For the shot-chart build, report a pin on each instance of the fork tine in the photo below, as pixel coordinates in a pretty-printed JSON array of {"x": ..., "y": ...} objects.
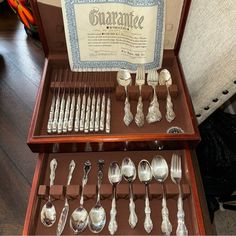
[{"x": 179, "y": 166}]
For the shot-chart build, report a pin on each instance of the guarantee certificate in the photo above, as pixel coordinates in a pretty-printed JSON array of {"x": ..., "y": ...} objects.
[{"x": 113, "y": 34}]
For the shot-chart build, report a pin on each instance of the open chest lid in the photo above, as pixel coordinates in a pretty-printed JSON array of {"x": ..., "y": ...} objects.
[{"x": 52, "y": 34}]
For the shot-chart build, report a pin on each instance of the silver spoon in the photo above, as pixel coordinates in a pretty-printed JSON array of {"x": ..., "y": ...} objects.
[
  {"x": 129, "y": 173},
  {"x": 97, "y": 215},
  {"x": 48, "y": 212},
  {"x": 165, "y": 79},
  {"x": 145, "y": 176},
  {"x": 160, "y": 173},
  {"x": 124, "y": 79},
  {"x": 79, "y": 217},
  {"x": 114, "y": 176}
]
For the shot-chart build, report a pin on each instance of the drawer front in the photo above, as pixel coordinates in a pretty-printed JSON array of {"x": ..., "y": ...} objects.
[{"x": 40, "y": 189}]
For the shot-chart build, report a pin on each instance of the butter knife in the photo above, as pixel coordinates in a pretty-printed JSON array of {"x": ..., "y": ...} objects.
[{"x": 65, "y": 210}]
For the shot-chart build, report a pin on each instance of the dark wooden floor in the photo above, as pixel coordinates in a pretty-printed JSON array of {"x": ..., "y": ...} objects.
[{"x": 21, "y": 62}]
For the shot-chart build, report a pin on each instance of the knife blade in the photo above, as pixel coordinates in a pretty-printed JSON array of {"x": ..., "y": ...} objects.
[{"x": 63, "y": 218}]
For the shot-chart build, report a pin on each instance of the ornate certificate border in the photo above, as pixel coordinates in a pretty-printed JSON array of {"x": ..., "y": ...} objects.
[{"x": 73, "y": 43}]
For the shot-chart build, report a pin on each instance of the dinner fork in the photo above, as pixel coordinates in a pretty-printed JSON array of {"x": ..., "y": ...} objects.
[{"x": 176, "y": 176}]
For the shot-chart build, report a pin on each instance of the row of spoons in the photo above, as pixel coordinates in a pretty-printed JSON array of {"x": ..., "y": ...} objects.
[
  {"x": 153, "y": 79},
  {"x": 96, "y": 218},
  {"x": 80, "y": 111}
]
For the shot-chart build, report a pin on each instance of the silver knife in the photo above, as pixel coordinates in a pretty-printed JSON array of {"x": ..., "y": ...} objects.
[{"x": 65, "y": 210}]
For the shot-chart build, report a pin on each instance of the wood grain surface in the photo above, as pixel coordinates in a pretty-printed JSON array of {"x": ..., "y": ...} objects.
[{"x": 21, "y": 62}]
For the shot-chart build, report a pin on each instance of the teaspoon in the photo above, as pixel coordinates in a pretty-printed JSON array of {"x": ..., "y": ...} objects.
[
  {"x": 48, "y": 212},
  {"x": 165, "y": 79},
  {"x": 124, "y": 79},
  {"x": 160, "y": 173},
  {"x": 97, "y": 215},
  {"x": 114, "y": 176},
  {"x": 129, "y": 173},
  {"x": 79, "y": 218},
  {"x": 145, "y": 176}
]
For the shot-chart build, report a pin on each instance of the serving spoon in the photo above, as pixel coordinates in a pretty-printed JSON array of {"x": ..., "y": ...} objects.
[
  {"x": 145, "y": 176},
  {"x": 48, "y": 212},
  {"x": 79, "y": 217}
]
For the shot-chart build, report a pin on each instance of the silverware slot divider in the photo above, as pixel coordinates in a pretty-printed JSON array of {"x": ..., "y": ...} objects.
[
  {"x": 73, "y": 191},
  {"x": 147, "y": 92}
]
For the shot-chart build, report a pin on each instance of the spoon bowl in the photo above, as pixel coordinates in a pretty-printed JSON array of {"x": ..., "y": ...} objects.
[
  {"x": 123, "y": 77},
  {"x": 97, "y": 218},
  {"x": 165, "y": 78},
  {"x": 160, "y": 169},
  {"x": 114, "y": 173},
  {"x": 79, "y": 220},
  {"x": 48, "y": 214},
  {"x": 144, "y": 171}
]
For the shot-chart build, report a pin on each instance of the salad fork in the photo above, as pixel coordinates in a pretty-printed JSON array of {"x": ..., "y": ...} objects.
[
  {"x": 176, "y": 176},
  {"x": 140, "y": 80}
]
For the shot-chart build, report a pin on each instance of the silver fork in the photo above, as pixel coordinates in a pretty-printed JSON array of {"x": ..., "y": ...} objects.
[
  {"x": 176, "y": 176},
  {"x": 139, "y": 81}
]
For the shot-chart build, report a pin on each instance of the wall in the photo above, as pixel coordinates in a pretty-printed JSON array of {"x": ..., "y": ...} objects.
[{"x": 208, "y": 54}]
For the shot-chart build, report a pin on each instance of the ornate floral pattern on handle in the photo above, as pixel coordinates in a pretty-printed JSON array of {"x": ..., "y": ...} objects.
[{"x": 166, "y": 226}]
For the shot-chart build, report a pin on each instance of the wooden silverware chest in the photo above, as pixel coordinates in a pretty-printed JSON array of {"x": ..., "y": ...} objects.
[{"x": 122, "y": 141}]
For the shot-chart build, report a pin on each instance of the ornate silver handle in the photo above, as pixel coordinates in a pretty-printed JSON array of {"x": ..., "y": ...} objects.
[
  {"x": 56, "y": 115},
  {"x": 154, "y": 113},
  {"x": 181, "y": 228},
  {"x": 112, "y": 227},
  {"x": 92, "y": 116},
  {"x": 71, "y": 170},
  {"x": 53, "y": 166},
  {"x": 51, "y": 114},
  {"x": 139, "y": 117},
  {"x": 71, "y": 115},
  {"x": 102, "y": 117},
  {"x": 61, "y": 115},
  {"x": 66, "y": 116},
  {"x": 133, "y": 219},
  {"x": 108, "y": 115},
  {"x": 97, "y": 114},
  {"x": 128, "y": 117},
  {"x": 148, "y": 225},
  {"x": 87, "y": 168},
  {"x": 87, "y": 116},
  {"x": 170, "y": 114},
  {"x": 77, "y": 114},
  {"x": 166, "y": 226},
  {"x": 82, "y": 115}
]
